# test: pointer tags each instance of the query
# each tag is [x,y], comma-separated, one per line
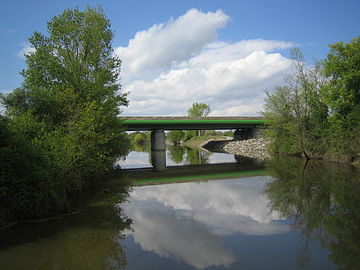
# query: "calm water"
[236,215]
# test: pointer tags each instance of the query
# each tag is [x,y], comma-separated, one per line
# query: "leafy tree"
[66,109]
[70,68]
[296,112]
[316,111]
[342,67]
[199,110]
[189,134]
[176,136]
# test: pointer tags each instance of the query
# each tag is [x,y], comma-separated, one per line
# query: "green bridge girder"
[185,123]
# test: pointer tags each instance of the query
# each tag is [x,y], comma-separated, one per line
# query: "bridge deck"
[178,123]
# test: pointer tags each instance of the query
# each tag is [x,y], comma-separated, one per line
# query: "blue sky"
[224,53]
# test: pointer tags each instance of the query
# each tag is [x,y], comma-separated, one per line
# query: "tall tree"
[342,67]
[65,115]
[296,111]
[73,66]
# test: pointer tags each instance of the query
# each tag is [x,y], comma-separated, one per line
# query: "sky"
[174,53]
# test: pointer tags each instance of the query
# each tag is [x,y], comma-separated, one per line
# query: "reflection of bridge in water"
[244,167]
[245,127]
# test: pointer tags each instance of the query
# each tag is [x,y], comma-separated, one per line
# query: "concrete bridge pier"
[245,134]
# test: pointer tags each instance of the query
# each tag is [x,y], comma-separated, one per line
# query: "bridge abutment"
[245,134]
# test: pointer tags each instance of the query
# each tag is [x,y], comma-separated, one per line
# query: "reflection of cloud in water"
[186,220]
[158,229]
[228,206]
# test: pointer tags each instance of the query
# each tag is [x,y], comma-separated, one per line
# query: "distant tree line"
[316,112]
[60,129]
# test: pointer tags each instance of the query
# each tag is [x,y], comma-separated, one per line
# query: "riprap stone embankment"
[253,148]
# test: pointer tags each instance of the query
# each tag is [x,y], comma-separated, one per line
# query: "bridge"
[186,123]
[245,127]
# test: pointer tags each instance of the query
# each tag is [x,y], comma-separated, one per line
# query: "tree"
[199,110]
[66,109]
[342,67]
[72,67]
[296,111]
[175,136]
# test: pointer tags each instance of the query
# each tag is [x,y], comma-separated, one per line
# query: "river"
[204,211]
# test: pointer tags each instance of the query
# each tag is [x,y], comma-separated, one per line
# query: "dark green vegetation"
[316,113]
[60,130]
[323,201]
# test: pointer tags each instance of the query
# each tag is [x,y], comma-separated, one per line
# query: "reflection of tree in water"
[140,147]
[176,153]
[324,201]
[89,239]
[195,157]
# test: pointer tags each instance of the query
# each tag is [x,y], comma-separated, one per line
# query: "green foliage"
[189,134]
[199,110]
[64,114]
[342,66]
[176,136]
[316,111]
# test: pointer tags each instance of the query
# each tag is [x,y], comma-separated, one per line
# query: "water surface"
[235,215]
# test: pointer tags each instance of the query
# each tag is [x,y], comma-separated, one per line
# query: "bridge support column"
[245,134]
[158,140]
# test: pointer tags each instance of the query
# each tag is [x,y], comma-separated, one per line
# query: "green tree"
[342,67]
[199,110]
[296,111]
[176,136]
[66,110]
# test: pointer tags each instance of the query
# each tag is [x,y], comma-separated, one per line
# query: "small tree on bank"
[197,110]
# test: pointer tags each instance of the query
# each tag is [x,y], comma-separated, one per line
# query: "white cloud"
[169,66]
[25,50]
[163,45]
